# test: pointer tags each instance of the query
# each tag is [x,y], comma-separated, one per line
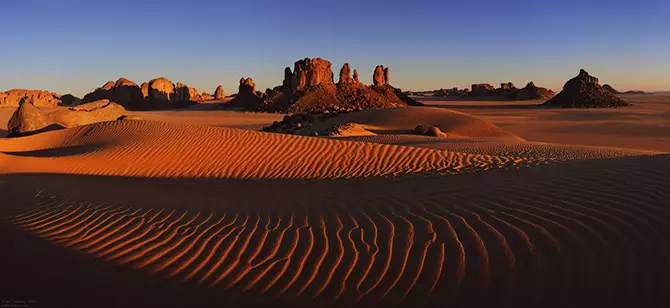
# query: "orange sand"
[149,213]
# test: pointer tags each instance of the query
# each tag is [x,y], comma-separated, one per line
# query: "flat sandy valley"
[532,206]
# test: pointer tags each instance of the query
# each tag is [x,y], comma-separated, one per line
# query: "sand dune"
[539,236]
[150,149]
[401,120]
[232,217]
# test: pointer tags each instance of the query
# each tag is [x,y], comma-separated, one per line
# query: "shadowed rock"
[70,100]
[206,96]
[583,91]
[246,97]
[123,91]
[428,130]
[161,89]
[530,91]
[355,76]
[386,76]
[186,93]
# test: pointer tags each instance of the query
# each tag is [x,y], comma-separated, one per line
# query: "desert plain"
[511,205]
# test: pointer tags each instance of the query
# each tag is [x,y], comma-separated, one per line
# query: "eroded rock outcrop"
[161,89]
[482,89]
[38,98]
[246,97]
[309,87]
[206,96]
[583,91]
[28,119]
[345,74]
[530,91]
[185,93]
[94,112]
[218,93]
[123,91]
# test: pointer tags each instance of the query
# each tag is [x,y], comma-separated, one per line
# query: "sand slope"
[222,216]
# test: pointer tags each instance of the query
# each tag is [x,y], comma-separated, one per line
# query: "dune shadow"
[59,152]
[547,215]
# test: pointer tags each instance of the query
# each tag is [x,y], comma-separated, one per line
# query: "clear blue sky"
[76,46]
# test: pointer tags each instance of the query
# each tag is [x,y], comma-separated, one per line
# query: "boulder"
[27,119]
[88,113]
[584,91]
[218,93]
[38,98]
[428,130]
[161,89]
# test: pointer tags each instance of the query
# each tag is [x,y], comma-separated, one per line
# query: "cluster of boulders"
[310,88]
[158,93]
[301,123]
[28,119]
[584,91]
[44,99]
[508,91]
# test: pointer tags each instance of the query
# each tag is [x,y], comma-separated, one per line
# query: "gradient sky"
[76,46]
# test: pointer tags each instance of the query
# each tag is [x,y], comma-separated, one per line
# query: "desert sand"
[518,206]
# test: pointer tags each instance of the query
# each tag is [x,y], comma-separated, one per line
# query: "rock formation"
[530,91]
[126,92]
[38,98]
[583,91]
[123,91]
[145,89]
[218,93]
[378,76]
[610,89]
[206,96]
[386,75]
[311,72]
[246,97]
[345,74]
[507,86]
[27,119]
[88,113]
[482,89]
[185,93]
[309,87]
[161,89]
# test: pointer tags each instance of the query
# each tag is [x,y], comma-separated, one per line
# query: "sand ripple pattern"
[158,149]
[552,239]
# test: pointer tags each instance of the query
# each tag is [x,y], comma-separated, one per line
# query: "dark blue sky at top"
[75,46]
